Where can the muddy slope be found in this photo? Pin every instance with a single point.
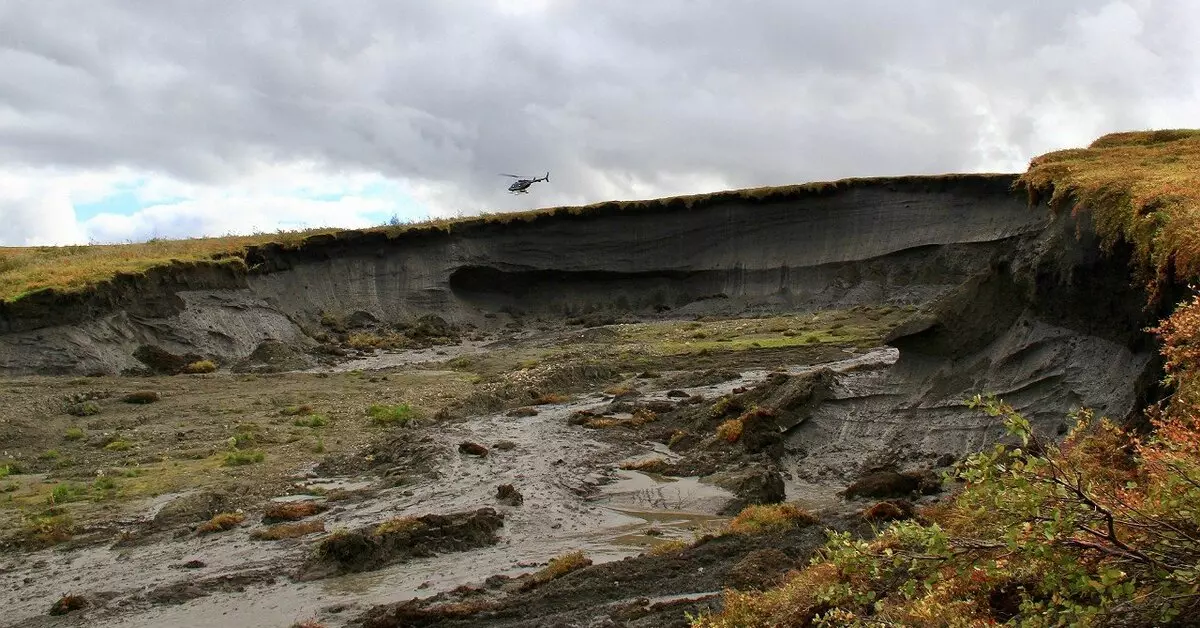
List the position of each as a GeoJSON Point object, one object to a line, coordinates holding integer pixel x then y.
{"type": "Point", "coordinates": [902, 240]}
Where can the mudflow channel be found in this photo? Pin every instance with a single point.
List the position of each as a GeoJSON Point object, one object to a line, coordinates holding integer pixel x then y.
{"type": "Point", "coordinates": [575, 497]}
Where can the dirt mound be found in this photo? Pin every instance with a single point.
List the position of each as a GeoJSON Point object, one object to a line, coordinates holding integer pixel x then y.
{"type": "Point", "coordinates": [397, 540]}
{"type": "Point", "coordinates": [521, 388]}
{"type": "Point", "coordinates": [272, 356]}
{"type": "Point", "coordinates": [399, 455]}
{"type": "Point", "coordinates": [894, 484]}
{"type": "Point", "coordinates": [192, 508]}
{"type": "Point", "coordinates": [760, 569]}
{"type": "Point", "coordinates": [753, 485]}
{"type": "Point", "coordinates": [162, 362]}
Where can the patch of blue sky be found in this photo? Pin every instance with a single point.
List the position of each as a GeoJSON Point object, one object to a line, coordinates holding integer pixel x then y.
{"type": "Point", "coordinates": [125, 200]}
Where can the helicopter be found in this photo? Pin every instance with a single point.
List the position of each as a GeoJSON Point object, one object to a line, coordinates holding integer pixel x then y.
{"type": "Point", "coordinates": [521, 185]}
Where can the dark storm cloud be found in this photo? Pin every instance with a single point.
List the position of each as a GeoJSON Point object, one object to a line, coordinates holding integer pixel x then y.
{"type": "Point", "coordinates": [605, 94]}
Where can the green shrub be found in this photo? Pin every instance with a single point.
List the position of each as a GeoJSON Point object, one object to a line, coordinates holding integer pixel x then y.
{"type": "Point", "coordinates": [240, 457]}
{"type": "Point", "coordinates": [312, 420]}
{"type": "Point", "coordinates": [399, 415]}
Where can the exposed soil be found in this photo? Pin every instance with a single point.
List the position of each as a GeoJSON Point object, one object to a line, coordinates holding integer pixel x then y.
{"type": "Point", "coordinates": [263, 498]}
{"type": "Point", "coordinates": [544, 476]}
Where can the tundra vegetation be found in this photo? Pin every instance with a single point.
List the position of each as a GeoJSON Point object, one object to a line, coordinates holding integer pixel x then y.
{"type": "Point", "coordinates": [1099, 529]}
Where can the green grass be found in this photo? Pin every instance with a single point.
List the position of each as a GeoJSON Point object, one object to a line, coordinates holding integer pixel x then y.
{"type": "Point", "coordinates": [242, 457]}
{"type": "Point", "coordinates": [400, 414]}
{"type": "Point", "coordinates": [312, 420]}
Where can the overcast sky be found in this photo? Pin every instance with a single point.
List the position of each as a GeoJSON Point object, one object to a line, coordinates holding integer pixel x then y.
{"type": "Point", "coordinates": [123, 120]}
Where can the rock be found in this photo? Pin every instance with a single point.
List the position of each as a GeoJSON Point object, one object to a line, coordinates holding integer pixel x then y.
{"type": "Point", "coordinates": [142, 396]}
{"type": "Point", "coordinates": [519, 412]}
{"type": "Point", "coordinates": [677, 394]}
{"type": "Point", "coordinates": [884, 484]}
{"type": "Point", "coordinates": [751, 486]}
{"type": "Point", "coordinates": [508, 494]}
{"type": "Point", "coordinates": [760, 569]}
{"type": "Point", "coordinates": [504, 445]}
{"type": "Point", "coordinates": [163, 362]}
{"type": "Point", "coordinates": [69, 603]}
{"type": "Point", "coordinates": [194, 564]}
{"type": "Point", "coordinates": [658, 407]}
{"type": "Point", "coordinates": [472, 449]}
{"type": "Point", "coordinates": [191, 508]}
{"type": "Point", "coordinates": [375, 546]}
{"type": "Point", "coordinates": [272, 356]}
{"type": "Point", "coordinates": [579, 417]}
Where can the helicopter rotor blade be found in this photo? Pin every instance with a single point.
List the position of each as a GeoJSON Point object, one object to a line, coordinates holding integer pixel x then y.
{"type": "Point", "coordinates": [510, 175]}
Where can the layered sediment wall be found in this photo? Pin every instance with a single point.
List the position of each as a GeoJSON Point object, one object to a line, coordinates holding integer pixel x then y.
{"type": "Point", "coordinates": [1015, 299]}
{"type": "Point", "coordinates": [903, 240]}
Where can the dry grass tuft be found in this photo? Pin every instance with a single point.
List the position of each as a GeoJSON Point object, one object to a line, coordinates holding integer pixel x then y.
{"type": "Point", "coordinates": [730, 431]}
{"type": "Point", "coordinates": [668, 548]}
{"type": "Point", "coordinates": [558, 567]}
{"type": "Point", "coordinates": [222, 522]}
{"type": "Point", "coordinates": [292, 511]}
{"type": "Point", "coordinates": [761, 519]}
{"type": "Point", "coordinates": [288, 530]}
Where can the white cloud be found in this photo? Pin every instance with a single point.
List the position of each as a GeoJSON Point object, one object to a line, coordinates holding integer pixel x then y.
{"type": "Point", "coordinates": [236, 116]}
{"type": "Point", "coordinates": [39, 206]}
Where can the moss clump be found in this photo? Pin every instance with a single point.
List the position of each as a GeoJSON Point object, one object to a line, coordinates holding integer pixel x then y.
{"type": "Point", "coordinates": [83, 408]}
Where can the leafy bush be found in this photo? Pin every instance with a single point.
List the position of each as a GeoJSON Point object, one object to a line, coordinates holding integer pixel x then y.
{"type": "Point", "coordinates": [1103, 529]}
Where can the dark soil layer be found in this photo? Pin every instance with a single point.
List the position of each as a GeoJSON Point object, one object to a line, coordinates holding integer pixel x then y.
{"type": "Point", "coordinates": [393, 541]}
{"type": "Point", "coordinates": [621, 593]}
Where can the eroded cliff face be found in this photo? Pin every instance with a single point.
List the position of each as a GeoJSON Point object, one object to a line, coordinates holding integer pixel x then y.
{"type": "Point", "coordinates": [899, 240]}
{"type": "Point", "coordinates": [1017, 301]}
